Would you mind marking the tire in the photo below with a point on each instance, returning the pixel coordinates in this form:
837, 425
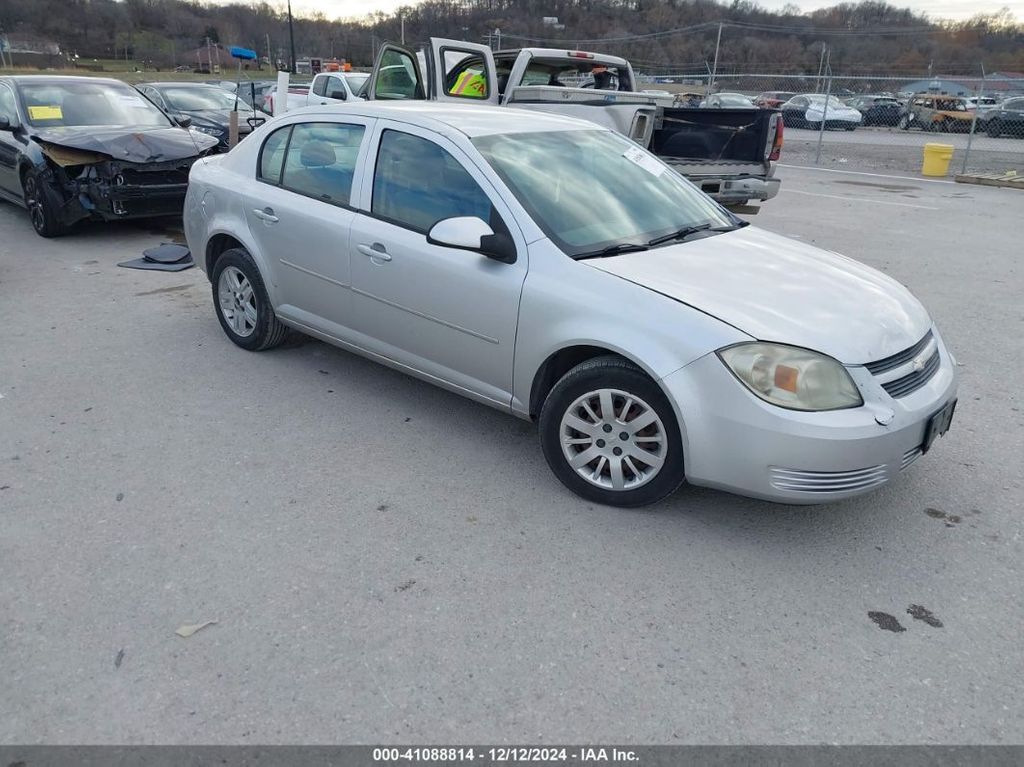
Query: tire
639, 483
42, 204
814, 126
242, 304
993, 129
904, 123
851, 126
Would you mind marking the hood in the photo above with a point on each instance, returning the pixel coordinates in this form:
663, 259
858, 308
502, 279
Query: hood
777, 289
834, 111
221, 118
129, 144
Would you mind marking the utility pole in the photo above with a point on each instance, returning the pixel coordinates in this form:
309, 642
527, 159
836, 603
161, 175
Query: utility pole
402, 17
821, 66
714, 69
497, 33
270, 56
291, 35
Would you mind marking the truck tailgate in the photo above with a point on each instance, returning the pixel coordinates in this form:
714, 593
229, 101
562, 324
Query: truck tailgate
716, 135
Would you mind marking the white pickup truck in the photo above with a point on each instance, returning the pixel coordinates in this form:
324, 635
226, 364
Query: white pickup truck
729, 153
326, 88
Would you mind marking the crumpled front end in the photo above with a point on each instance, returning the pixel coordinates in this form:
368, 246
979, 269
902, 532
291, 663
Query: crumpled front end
95, 185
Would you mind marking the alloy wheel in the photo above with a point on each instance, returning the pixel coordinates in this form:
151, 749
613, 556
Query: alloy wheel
34, 203
613, 439
237, 301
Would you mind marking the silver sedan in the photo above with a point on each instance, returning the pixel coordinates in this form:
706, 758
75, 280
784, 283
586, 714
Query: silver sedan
556, 271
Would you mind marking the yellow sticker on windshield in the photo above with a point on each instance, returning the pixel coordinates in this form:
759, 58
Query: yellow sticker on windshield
45, 113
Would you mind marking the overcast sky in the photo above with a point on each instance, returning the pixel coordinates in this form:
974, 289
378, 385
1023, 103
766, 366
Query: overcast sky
955, 9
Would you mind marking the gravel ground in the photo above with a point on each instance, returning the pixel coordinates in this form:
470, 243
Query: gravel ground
889, 151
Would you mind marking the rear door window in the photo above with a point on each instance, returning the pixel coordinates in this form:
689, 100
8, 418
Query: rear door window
272, 155
320, 160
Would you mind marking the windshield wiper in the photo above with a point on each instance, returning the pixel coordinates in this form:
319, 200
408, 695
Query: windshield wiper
686, 231
612, 250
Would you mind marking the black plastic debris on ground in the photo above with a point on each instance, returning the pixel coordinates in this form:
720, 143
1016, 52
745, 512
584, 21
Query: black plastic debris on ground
167, 257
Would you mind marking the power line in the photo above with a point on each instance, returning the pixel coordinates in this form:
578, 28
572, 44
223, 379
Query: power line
797, 30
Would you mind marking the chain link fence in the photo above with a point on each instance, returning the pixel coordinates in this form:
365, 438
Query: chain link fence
876, 124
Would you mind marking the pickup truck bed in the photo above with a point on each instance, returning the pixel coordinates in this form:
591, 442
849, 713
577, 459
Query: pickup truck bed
723, 151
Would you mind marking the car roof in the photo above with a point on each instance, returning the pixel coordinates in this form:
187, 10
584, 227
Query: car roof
58, 79
185, 84
469, 119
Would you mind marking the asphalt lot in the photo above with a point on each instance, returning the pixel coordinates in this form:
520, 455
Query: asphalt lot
388, 562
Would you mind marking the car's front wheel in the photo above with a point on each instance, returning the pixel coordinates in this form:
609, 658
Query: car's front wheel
242, 304
993, 129
610, 435
40, 200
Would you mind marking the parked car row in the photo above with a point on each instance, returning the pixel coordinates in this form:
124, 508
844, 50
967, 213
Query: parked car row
75, 148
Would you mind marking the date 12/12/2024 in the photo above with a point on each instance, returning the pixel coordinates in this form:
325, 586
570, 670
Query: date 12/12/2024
503, 754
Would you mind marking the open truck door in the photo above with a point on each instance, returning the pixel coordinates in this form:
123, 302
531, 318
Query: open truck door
397, 75
462, 72
447, 70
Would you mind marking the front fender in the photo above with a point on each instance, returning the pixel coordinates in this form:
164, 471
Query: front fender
568, 303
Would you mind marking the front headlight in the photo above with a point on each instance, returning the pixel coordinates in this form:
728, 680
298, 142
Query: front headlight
791, 377
216, 132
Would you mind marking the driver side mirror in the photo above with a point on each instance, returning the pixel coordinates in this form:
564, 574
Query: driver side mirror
472, 233
183, 122
5, 124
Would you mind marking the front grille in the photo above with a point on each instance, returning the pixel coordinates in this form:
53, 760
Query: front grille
140, 177
794, 480
901, 387
898, 375
900, 358
910, 456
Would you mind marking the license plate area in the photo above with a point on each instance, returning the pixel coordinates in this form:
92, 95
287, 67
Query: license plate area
938, 425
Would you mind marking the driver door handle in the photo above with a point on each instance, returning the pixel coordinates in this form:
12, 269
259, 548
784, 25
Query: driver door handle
375, 251
266, 214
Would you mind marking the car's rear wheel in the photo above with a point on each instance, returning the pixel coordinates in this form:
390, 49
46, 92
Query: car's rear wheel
42, 205
610, 435
904, 123
242, 304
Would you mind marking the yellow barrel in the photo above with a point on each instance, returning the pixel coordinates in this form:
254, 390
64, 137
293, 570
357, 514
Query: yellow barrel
936, 159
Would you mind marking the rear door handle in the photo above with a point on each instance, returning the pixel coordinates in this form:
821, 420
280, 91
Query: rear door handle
375, 251
266, 214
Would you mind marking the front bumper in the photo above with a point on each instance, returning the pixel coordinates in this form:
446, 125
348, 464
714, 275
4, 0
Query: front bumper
125, 202
734, 441
112, 191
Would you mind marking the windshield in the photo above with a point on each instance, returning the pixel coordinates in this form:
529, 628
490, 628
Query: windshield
184, 99
356, 81
591, 189
734, 100
70, 103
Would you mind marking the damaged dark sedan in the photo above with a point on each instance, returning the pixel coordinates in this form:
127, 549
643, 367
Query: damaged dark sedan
75, 148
